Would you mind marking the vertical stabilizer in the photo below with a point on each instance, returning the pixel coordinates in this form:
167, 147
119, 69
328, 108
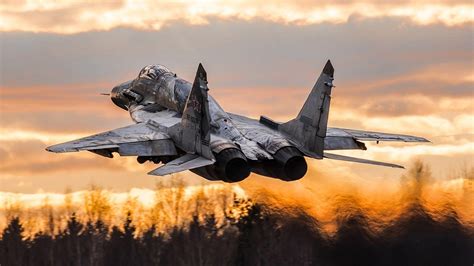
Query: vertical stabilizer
310, 126
193, 133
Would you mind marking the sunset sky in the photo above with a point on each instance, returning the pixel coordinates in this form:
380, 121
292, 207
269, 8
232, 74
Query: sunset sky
400, 67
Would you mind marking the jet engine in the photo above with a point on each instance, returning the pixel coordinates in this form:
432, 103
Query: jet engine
231, 164
289, 163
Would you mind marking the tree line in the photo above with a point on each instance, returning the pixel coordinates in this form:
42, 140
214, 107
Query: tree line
261, 237
241, 231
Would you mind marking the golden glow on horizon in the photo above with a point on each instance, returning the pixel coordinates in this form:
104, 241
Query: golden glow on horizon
144, 196
387, 202
158, 206
324, 196
151, 15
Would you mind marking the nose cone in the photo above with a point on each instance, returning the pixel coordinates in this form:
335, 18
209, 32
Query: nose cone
117, 96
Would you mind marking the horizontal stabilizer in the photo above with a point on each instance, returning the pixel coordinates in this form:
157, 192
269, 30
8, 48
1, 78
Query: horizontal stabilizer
359, 160
183, 163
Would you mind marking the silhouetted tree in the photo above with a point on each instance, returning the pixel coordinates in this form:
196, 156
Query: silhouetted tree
93, 240
297, 240
252, 228
354, 241
70, 240
42, 249
150, 249
14, 247
416, 234
174, 248
123, 247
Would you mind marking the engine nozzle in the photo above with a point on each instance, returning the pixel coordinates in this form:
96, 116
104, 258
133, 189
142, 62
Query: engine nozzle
292, 163
288, 164
232, 165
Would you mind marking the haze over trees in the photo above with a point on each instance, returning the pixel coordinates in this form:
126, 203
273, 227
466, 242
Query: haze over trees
219, 227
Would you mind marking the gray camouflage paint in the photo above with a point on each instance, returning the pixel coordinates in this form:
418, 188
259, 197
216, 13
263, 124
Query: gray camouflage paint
176, 117
171, 92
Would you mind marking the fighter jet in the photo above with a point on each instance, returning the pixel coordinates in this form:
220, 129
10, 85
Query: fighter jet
178, 124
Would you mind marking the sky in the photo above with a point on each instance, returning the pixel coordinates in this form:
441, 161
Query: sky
400, 67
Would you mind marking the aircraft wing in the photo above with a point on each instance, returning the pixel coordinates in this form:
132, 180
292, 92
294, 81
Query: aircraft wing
372, 136
142, 139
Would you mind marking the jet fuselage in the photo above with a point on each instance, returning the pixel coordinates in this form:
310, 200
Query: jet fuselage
156, 88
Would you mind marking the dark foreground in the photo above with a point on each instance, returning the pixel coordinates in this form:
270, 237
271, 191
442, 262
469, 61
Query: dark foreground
262, 237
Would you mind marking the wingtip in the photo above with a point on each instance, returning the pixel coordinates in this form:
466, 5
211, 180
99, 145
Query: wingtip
158, 171
392, 165
51, 149
153, 172
60, 148
328, 68
420, 139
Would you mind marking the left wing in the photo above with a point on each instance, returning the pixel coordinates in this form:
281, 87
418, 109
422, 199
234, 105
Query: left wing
142, 139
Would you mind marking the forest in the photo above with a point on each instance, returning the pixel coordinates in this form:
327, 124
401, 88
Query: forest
221, 227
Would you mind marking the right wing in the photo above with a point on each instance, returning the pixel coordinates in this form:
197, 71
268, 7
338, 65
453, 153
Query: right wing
142, 139
362, 135
347, 139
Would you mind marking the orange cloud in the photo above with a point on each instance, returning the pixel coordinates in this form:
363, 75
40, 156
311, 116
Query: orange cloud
69, 17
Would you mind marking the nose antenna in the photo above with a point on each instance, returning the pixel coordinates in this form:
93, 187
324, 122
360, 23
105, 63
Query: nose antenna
105, 94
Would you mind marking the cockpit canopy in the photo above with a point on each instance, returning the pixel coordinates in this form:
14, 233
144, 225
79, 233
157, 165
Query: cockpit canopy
153, 72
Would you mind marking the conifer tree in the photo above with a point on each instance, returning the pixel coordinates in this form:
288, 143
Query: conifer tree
14, 248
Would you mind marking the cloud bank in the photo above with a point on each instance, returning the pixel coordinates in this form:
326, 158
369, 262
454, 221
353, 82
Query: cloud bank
68, 17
